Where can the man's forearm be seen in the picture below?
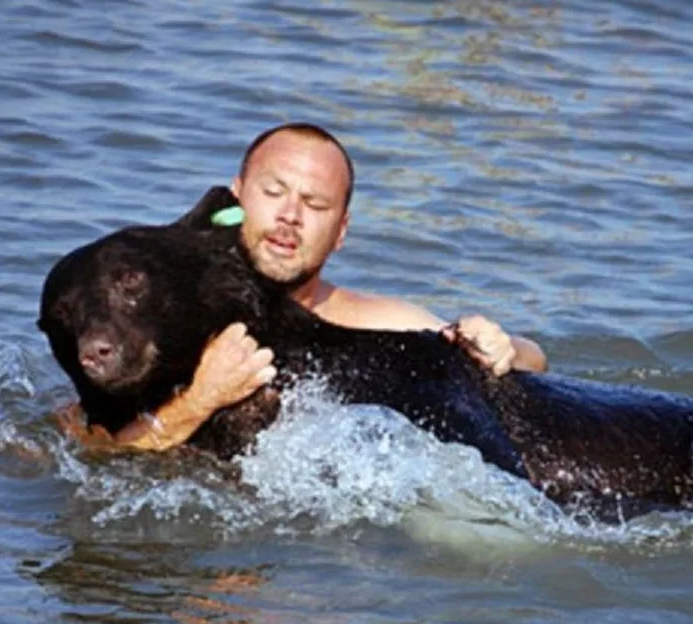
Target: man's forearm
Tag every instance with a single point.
(231, 369)
(171, 426)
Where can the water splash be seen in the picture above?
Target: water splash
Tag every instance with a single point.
(14, 376)
(325, 466)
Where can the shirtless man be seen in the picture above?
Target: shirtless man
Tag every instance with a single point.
(295, 184)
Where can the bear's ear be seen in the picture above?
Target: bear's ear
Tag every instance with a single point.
(200, 216)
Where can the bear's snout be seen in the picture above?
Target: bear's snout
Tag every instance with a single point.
(100, 358)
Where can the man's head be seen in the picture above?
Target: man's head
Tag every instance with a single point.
(295, 184)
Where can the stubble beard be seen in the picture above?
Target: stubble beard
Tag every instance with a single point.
(273, 268)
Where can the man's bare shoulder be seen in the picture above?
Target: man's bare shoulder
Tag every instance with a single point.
(373, 311)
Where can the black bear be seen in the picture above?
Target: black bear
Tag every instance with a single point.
(147, 299)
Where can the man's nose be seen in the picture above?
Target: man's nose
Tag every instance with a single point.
(291, 211)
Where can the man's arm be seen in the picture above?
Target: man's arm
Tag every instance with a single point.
(489, 344)
(232, 367)
(483, 339)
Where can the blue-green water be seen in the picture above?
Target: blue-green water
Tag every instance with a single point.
(526, 160)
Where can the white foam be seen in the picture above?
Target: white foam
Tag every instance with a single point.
(14, 376)
(324, 466)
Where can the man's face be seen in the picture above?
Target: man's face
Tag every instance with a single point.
(293, 194)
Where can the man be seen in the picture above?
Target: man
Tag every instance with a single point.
(295, 184)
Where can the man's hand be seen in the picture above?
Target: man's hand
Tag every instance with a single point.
(72, 422)
(231, 369)
(485, 341)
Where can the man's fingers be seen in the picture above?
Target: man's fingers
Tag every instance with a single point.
(472, 326)
(484, 340)
(498, 364)
(72, 424)
(258, 362)
(68, 424)
(263, 357)
(234, 332)
(232, 345)
(503, 365)
(266, 375)
(482, 358)
(260, 368)
(248, 344)
(71, 419)
(255, 379)
(232, 368)
(254, 370)
(230, 335)
(449, 332)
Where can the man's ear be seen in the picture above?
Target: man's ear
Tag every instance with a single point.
(343, 226)
(236, 186)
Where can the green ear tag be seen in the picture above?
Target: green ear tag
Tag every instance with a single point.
(233, 215)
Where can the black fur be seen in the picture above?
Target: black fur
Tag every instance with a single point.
(620, 449)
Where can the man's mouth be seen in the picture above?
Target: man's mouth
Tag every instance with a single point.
(282, 244)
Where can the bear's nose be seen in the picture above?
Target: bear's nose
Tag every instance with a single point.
(98, 357)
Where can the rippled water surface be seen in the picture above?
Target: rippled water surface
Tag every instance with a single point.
(526, 160)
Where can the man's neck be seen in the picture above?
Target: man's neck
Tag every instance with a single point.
(313, 294)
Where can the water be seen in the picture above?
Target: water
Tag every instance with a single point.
(525, 160)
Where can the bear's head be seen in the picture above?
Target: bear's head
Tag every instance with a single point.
(128, 316)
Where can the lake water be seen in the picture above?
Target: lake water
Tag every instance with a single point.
(530, 161)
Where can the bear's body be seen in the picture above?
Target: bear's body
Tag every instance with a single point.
(151, 297)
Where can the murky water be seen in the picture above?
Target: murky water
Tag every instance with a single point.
(525, 160)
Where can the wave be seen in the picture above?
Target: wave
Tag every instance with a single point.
(323, 467)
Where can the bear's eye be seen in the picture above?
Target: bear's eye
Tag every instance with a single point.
(127, 291)
(62, 312)
(132, 280)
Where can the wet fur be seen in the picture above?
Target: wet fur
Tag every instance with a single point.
(619, 449)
